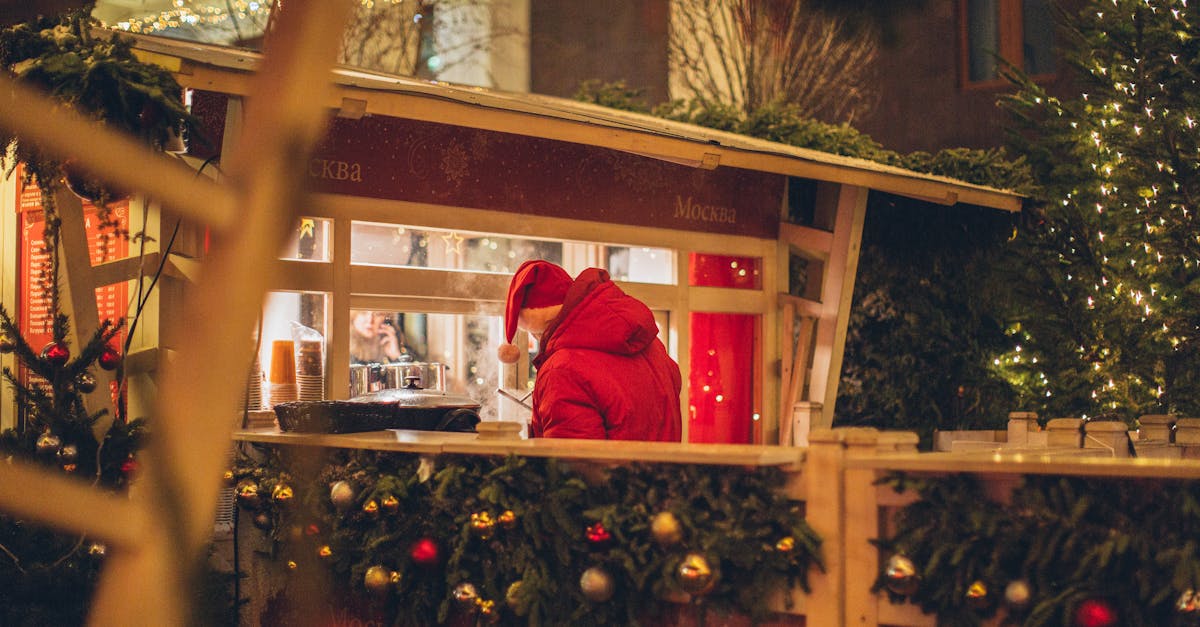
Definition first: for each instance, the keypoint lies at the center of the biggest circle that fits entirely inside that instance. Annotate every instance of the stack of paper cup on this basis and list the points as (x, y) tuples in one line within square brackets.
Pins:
[(310, 371), (281, 383), (252, 396)]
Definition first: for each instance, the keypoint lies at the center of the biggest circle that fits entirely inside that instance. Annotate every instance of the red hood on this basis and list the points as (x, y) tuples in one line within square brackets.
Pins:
[(597, 315)]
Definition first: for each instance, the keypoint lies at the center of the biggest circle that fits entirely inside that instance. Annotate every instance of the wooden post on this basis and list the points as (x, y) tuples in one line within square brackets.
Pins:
[(825, 509), (861, 563), (77, 298)]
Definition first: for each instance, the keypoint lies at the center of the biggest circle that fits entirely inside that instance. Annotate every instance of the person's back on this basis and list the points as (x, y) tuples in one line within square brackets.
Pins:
[(602, 372)]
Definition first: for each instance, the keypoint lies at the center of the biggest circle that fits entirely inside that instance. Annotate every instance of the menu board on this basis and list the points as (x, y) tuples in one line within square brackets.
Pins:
[(35, 317)]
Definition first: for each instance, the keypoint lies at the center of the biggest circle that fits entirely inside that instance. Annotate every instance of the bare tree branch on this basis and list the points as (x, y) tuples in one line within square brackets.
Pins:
[(750, 53)]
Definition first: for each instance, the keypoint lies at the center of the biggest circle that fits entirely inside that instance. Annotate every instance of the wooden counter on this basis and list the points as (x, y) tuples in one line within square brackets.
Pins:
[(437, 442)]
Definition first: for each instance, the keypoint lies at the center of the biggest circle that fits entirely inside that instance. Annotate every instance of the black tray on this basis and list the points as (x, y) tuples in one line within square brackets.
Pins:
[(355, 417)]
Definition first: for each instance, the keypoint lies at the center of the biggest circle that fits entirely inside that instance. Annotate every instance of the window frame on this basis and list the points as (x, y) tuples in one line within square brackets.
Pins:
[(1010, 21)]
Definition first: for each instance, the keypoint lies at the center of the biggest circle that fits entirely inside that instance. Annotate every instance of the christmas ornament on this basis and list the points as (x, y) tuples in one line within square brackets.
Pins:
[(56, 354), (67, 454), (292, 565), (425, 552), (665, 529), (977, 595), (785, 544), (129, 466), (341, 494), (48, 444), (465, 595), (597, 585), (247, 495), (390, 504), (7, 346), (514, 599), (371, 508), (311, 529), (901, 575), (487, 611), (1188, 603), (425, 468), (97, 549), (507, 519), (482, 526), (597, 535), (69, 468), (228, 478), (109, 359), (325, 552), (1017, 595), (282, 493), (1094, 613), (262, 520), (696, 576), (378, 580), (85, 383)]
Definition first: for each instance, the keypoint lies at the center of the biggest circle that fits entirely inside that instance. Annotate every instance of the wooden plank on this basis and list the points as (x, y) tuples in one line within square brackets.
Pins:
[(837, 292), (816, 242), (70, 504), (1080, 462), (77, 299), (786, 363), (112, 156), (601, 450)]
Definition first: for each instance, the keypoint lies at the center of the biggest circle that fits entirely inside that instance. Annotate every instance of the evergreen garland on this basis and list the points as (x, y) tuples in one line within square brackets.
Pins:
[(1134, 545), (522, 531)]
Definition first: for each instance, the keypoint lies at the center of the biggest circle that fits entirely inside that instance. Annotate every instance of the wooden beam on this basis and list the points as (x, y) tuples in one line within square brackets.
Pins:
[(837, 292), (112, 156)]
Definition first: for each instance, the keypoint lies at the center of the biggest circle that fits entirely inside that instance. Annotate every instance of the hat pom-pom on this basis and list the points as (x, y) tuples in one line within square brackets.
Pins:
[(508, 353)]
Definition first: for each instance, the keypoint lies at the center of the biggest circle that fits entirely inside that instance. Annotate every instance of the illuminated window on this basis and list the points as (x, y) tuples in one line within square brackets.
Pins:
[(404, 246), (1019, 31)]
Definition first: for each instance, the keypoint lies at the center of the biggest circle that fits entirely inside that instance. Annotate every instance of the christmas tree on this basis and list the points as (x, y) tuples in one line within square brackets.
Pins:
[(1111, 286)]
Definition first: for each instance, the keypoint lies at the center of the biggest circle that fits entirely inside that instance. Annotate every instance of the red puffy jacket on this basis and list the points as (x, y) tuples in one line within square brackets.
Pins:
[(602, 372)]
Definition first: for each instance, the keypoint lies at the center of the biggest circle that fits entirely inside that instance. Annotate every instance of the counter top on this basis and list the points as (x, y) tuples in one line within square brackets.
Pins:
[(438, 442)]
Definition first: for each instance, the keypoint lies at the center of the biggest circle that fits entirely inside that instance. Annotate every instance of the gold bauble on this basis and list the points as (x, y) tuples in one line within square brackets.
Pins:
[(341, 493), (378, 579), (696, 576), (282, 493), (901, 575), (977, 595), (371, 508), (465, 595), (785, 544), (390, 504), (665, 529), (507, 519), (597, 585)]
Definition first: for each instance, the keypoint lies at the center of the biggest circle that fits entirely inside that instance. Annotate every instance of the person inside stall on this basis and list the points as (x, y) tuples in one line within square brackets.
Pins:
[(602, 372), (374, 338)]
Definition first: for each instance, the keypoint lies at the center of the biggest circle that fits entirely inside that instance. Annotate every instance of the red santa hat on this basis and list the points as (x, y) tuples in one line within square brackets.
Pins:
[(536, 284)]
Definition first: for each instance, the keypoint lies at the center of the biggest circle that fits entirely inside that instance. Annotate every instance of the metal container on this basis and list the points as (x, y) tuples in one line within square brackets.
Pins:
[(410, 407), (368, 378)]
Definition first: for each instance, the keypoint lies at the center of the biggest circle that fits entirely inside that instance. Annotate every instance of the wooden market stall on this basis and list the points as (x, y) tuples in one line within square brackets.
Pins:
[(724, 237)]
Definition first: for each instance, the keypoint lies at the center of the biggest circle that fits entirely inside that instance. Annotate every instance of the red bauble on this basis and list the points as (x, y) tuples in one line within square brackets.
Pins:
[(129, 466), (57, 354), (1094, 613), (110, 359), (425, 552)]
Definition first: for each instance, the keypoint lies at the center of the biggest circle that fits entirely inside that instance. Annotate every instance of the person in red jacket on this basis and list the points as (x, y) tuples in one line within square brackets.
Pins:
[(602, 372)]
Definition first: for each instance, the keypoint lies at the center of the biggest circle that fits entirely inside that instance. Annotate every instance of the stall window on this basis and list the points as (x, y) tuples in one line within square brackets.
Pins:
[(721, 386), (464, 346), (724, 351), (298, 318), (309, 240), (405, 246), (1019, 31)]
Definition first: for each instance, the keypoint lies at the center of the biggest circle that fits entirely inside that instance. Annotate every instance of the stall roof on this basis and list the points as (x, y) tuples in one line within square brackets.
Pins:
[(203, 66)]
